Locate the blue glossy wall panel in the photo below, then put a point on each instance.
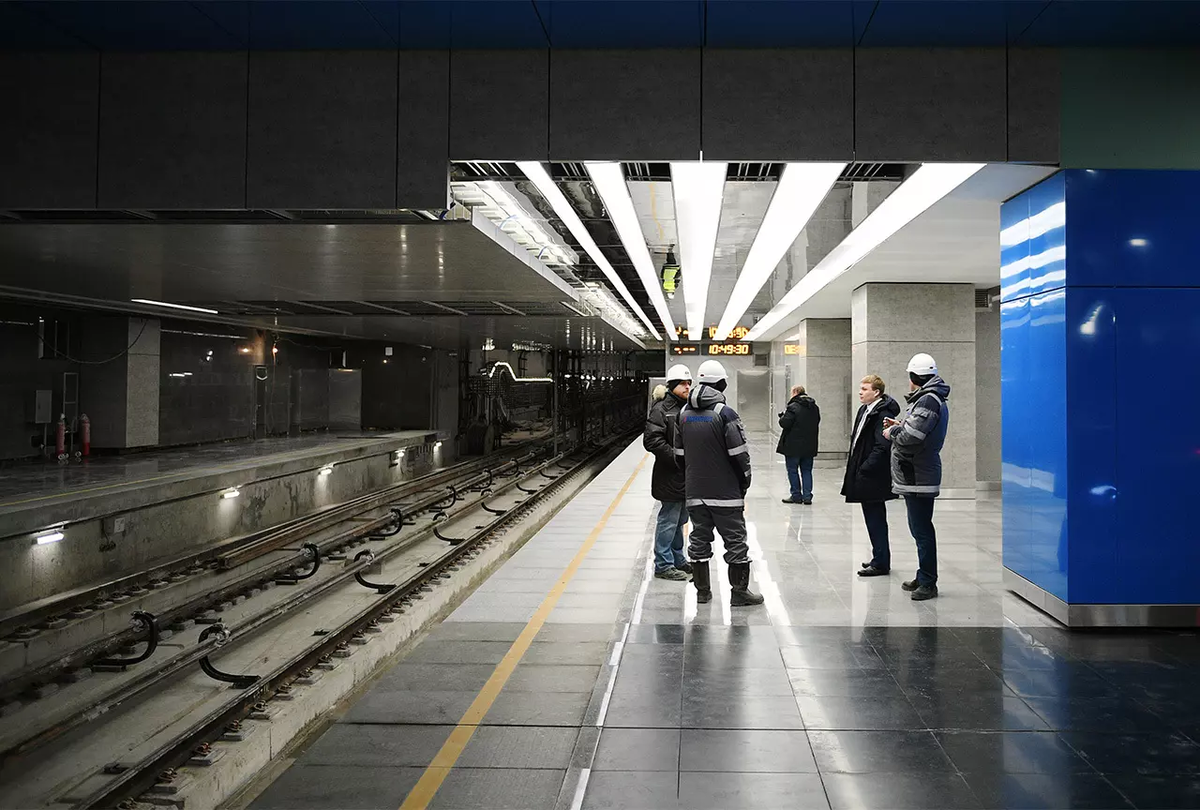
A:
(1133, 228)
(1099, 477)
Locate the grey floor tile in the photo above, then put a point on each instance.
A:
(477, 631)
(748, 711)
(858, 713)
(498, 789)
(437, 677)
(1036, 791)
(407, 706)
(725, 791)
(638, 749)
(899, 791)
(749, 751)
(878, 752)
(322, 787)
(432, 651)
(861, 684)
(644, 715)
(632, 790)
(377, 745)
(519, 747)
(586, 653)
(576, 633)
(552, 678)
(537, 709)
(714, 684)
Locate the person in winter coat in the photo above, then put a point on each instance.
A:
(711, 447)
(798, 443)
(666, 482)
(868, 471)
(917, 440)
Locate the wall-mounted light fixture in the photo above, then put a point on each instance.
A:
(326, 470)
(48, 537)
(437, 446)
(230, 493)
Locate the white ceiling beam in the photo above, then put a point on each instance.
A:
(698, 189)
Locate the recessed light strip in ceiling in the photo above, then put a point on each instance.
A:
(537, 173)
(609, 180)
(917, 194)
(698, 188)
(801, 188)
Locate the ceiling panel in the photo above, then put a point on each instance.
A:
(436, 261)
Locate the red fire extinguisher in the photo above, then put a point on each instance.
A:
(85, 430)
(60, 438)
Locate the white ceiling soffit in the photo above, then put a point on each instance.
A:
(698, 190)
(497, 235)
(928, 184)
(538, 175)
(511, 211)
(800, 190)
(609, 180)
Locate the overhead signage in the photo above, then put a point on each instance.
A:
(710, 332)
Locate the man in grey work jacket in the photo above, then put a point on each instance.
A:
(917, 439)
(711, 446)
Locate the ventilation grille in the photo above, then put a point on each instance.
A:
(985, 298)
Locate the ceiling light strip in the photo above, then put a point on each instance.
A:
(913, 197)
(609, 180)
(537, 173)
(801, 188)
(698, 189)
(168, 305)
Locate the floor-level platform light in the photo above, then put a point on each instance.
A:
(48, 537)
(230, 494)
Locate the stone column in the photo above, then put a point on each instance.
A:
(121, 395)
(823, 368)
(891, 323)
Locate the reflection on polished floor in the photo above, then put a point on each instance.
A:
(838, 693)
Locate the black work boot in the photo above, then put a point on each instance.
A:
(700, 579)
(739, 582)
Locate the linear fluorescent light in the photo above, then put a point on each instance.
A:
(801, 188)
(326, 470)
(926, 186)
(47, 538)
(698, 188)
(230, 493)
(609, 180)
(150, 303)
(537, 173)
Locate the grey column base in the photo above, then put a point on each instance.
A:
(1080, 615)
(958, 495)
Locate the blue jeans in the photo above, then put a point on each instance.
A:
(668, 535)
(800, 475)
(920, 523)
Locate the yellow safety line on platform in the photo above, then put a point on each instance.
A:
(437, 771)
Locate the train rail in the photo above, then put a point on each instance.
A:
(442, 524)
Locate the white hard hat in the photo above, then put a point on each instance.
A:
(922, 365)
(679, 372)
(711, 371)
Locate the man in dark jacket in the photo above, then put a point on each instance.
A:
(868, 471)
(711, 447)
(917, 440)
(666, 483)
(798, 443)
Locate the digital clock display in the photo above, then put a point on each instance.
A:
(728, 349)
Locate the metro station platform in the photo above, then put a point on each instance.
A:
(573, 679)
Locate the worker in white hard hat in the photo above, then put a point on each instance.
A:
(712, 448)
(917, 439)
(666, 482)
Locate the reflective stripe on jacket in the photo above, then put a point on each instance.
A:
(917, 441)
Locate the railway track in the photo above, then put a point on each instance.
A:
(266, 641)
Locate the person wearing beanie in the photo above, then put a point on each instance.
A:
(711, 446)
(666, 482)
(917, 439)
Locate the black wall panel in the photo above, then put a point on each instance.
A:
(322, 130)
(625, 105)
(422, 168)
(1034, 105)
(918, 104)
(48, 129)
(499, 105)
(778, 105)
(173, 130)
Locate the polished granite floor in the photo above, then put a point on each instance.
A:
(838, 693)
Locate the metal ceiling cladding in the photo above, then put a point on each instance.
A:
(351, 24)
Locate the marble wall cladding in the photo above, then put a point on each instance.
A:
(823, 368)
(938, 319)
(987, 393)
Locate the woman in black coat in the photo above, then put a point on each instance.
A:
(868, 471)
